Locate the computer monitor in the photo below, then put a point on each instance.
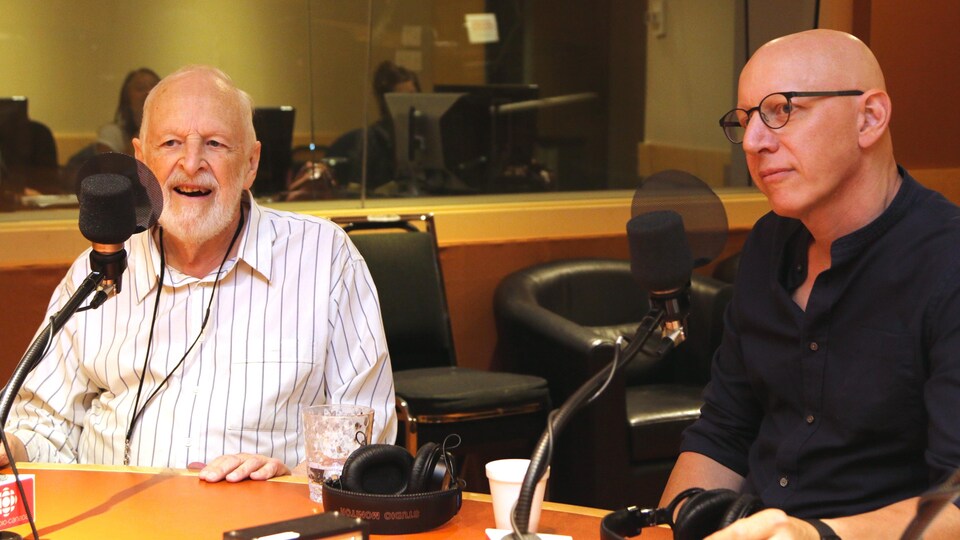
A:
(274, 128)
(482, 141)
(14, 132)
(13, 121)
(418, 141)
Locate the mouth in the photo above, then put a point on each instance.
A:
(773, 174)
(192, 191)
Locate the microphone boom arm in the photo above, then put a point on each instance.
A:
(35, 352)
(582, 396)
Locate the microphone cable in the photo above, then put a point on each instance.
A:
(557, 418)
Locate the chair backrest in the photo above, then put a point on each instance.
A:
(601, 298)
(404, 263)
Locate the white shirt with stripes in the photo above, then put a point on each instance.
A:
(295, 321)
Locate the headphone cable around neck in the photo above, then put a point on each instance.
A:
(137, 409)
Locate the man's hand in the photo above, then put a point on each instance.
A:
(237, 467)
(16, 447)
(767, 524)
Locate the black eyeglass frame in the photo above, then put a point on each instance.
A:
(724, 124)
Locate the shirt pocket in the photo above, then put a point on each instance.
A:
(878, 378)
(268, 385)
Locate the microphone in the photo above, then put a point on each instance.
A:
(119, 197)
(661, 262)
(107, 219)
(678, 223)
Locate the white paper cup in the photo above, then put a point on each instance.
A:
(506, 477)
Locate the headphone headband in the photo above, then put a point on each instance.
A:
(395, 514)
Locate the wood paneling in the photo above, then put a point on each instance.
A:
(471, 270)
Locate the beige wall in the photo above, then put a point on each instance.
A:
(70, 57)
(689, 74)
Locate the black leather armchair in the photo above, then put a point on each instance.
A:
(559, 320)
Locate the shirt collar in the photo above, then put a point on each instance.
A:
(851, 245)
(256, 241)
(794, 252)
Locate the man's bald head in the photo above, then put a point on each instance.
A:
(812, 60)
(831, 164)
(217, 82)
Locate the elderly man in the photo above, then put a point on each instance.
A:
(233, 317)
(835, 391)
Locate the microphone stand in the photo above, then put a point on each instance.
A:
(35, 352)
(30, 360)
(585, 393)
(930, 505)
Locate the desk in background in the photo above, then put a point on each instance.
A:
(91, 501)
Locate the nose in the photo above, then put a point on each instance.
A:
(193, 160)
(757, 136)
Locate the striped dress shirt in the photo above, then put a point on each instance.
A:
(294, 322)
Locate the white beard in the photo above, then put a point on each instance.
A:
(194, 223)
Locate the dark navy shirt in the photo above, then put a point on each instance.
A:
(854, 403)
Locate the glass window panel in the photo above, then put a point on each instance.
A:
(543, 97)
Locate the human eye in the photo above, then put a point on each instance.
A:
(776, 109)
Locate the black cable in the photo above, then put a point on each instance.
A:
(146, 356)
(203, 324)
(559, 417)
(37, 350)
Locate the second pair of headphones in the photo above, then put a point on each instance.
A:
(394, 492)
(703, 513)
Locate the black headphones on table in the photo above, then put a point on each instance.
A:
(394, 492)
(705, 512)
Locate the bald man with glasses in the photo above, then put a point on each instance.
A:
(835, 393)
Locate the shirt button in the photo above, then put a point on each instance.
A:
(814, 347)
(187, 441)
(810, 419)
(784, 481)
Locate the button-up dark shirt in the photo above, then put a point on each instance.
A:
(854, 403)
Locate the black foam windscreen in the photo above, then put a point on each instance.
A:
(107, 208)
(147, 194)
(660, 257)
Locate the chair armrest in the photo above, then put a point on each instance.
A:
(537, 341)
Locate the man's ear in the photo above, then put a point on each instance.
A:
(137, 148)
(254, 163)
(873, 119)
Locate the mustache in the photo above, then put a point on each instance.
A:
(202, 180)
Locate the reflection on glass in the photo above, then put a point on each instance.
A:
(346, 154)
(583, 96)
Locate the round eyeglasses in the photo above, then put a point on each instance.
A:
(774, 112)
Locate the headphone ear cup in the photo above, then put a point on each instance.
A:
(382, 469)
(744, 506)
(701, 515)
(423, 469)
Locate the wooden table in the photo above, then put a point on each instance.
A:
(91, 501)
